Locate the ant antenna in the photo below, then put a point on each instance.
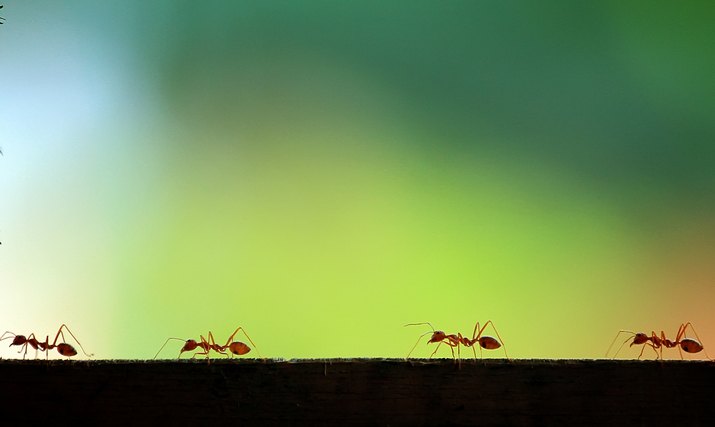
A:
(621, 346)
(420, 337)
(165, 343)
(421, 323)
(3, 337)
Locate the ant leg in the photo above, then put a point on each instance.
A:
(678, 336)
(474, 332)
(643, 349)
(27, 342)
(24, 346)
(203, 344)
(447, 342)
(641, 353)
(658, 344)
(206, 345)
(59, 331)
(32, 341)
(495, 330)
(201, 353)
(210, 344)
(420, 337)
(415, 346)
(217, 348)
(47, 350)
(437, 348)
(454, 342)
(665, 342)
(80, 344)
(685, 326)
(459, 354)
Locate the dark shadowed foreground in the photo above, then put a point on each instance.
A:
(359, 392)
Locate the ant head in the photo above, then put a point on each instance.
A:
(66, 350)
(19, 340)
(437, 336)
(690, 345)
(239, 348)
(489, 343)
(189, 346)
(639, 338)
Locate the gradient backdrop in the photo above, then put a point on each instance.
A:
(322, 173)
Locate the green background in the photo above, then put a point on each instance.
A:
(322, 173)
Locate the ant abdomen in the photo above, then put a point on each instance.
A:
(690, 345)
(489, 343)
(66, 350)
(239, 348)
(31, 341)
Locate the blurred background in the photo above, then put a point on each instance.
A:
(322, 173)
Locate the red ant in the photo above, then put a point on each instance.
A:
(455, 340)
(657, 343)
(235, 347)
(62, 348)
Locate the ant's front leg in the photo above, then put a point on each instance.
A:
(653, 346)
(437, 348)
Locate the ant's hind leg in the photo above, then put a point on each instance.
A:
(230, 339)
(59, 332)
(489, 322)
(474, 332)
(684, 328)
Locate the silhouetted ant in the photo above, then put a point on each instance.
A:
(235, 347)
(689, 345)
(455, 340)
(62, 348)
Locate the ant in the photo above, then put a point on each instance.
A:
(657, 343)
(62, 348)
(455, 340)
(235, 347)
